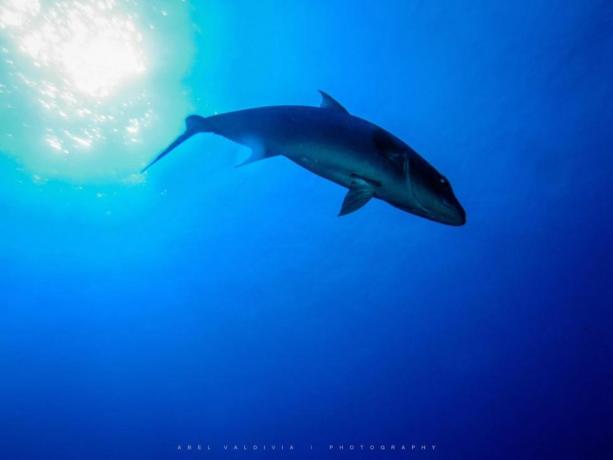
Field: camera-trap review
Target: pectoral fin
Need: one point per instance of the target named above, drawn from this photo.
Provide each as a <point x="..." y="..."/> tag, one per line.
<point x="358" y="195"/>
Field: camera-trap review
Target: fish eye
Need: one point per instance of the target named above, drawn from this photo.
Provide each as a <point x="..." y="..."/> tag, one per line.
<point x="442" y="180"/>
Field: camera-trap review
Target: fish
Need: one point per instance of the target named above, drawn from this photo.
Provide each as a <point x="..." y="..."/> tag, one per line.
<point x="336" y="145"/>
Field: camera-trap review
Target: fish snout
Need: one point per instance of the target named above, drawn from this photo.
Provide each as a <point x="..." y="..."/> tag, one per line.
<point x="454" y="213"/>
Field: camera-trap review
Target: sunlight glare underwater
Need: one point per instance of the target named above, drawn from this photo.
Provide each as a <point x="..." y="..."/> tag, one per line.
<point x="82" y="87"/>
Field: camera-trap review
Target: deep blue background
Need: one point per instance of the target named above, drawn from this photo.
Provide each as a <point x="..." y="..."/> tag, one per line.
<point x="213" y="304"/>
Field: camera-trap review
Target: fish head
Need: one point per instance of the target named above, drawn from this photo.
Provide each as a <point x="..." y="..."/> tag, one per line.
<point x="429" y="193"/>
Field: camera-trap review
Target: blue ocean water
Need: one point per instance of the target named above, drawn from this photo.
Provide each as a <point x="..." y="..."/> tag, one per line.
<point x="210" y="305"/>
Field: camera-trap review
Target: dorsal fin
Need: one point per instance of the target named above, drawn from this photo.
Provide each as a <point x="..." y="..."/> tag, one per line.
<point x="328" y="102"/>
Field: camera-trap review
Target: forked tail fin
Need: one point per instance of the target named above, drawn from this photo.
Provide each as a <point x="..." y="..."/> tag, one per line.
<point x="193" y="125"/>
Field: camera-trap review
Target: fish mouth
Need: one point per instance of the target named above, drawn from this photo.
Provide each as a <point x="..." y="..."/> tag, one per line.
<point x="453" y="214"/>
<point x="459" y="219"/>
<point x="447" y="213"/>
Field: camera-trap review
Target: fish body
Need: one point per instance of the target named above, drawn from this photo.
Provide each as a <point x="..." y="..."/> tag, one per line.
<point x="350" y="151"/>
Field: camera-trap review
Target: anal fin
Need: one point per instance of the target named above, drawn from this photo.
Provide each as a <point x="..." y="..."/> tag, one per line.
<point x="256" y="155"/>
